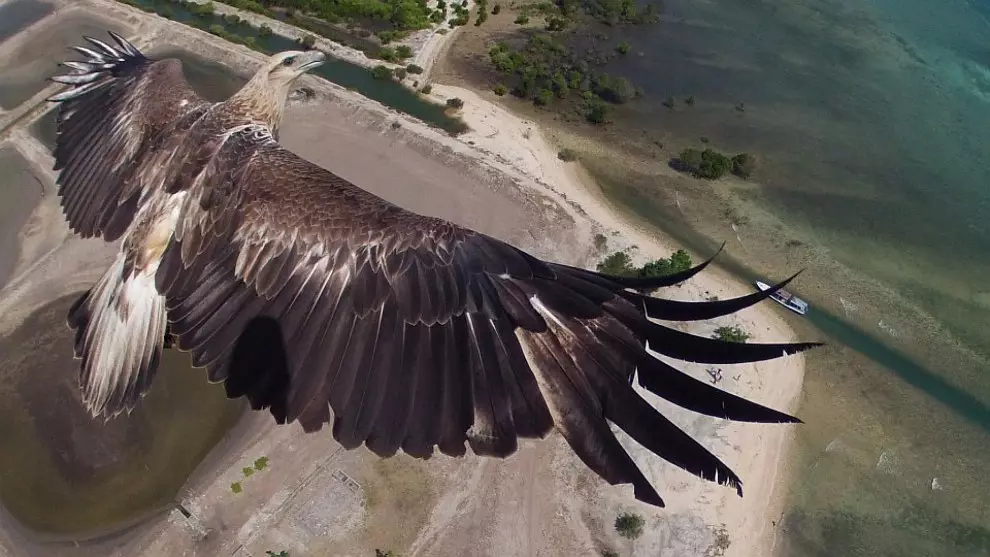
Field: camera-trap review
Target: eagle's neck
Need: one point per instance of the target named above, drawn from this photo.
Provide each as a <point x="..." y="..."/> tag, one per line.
<point x="260" y="100"/>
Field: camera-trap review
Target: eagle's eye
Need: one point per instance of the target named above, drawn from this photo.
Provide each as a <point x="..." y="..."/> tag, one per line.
<point x="288" y="61"/>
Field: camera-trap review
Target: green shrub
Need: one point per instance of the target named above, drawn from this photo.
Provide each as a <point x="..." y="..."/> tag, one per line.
<point x="618" y="264"/>
<point x="500" y="90"/>
<point x="261" y="463"/>
<point x="743" y="165"/>
<point x="455" y="103"/>
<point x="708" y="164"/>
<point x="623" y="47"/>
<point x="308" y="42"/>
<point x="522" y="19"/>
<point x="403" y="51"/>
<point x="236" y="487"/>
<point x="414" y="69"/>
<point x="731" y="334"/>
<point x="629" y="525"/>
<point x="381" y="72"/>
<point x="496" y="9"/>
<point x="427" y="89"/>
<point x="567" y="155"/>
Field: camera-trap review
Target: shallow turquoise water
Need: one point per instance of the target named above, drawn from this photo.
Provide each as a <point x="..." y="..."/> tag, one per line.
<point x="872" y="122"/>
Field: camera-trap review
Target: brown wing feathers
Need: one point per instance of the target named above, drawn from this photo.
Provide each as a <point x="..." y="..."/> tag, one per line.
<point x="108" y="121"/>
<point x="410" y="333"/>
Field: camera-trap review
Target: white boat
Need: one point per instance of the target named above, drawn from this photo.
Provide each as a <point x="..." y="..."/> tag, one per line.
<point x="785" y="298"/>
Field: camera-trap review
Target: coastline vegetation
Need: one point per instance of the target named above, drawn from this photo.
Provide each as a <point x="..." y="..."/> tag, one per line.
<point x="731" y="334"/>
<point x="712" y="165"/>
<point x="620" y="264"/>
<point x="549" y="69"/>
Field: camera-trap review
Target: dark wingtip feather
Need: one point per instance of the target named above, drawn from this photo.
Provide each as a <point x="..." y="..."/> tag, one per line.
<point x="674" y="310"/>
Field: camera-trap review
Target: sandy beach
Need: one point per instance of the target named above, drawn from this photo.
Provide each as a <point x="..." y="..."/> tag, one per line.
<point x="503" y="177"/>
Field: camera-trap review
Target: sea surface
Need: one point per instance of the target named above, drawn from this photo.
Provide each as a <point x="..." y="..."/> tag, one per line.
<point x="871" y="122"/>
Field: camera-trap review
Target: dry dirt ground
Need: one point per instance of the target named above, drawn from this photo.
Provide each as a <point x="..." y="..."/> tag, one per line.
<point x="311" y="498"/>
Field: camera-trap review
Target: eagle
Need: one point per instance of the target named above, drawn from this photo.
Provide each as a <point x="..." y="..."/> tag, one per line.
<point x="321" y="302"/>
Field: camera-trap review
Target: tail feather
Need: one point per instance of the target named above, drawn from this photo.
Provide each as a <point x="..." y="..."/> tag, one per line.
<point x="120" y="330"/>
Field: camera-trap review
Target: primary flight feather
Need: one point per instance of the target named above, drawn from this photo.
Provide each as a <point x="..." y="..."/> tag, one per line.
<point x="320" y="301"/>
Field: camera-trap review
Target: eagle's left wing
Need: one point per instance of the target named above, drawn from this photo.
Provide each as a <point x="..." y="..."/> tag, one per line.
<point x="109" y="127"/>
<point x="320" y="301"/>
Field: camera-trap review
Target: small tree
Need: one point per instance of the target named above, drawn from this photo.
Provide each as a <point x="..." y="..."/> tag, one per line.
<point x="629" y="525"/>
<point x="381" y="72"/>
<point x="236" y="487"/>
<point x="522" y="19"/>
<point x="308" y="42"/>
<point x="743" y="165"/>
<point x="500" y="90"/>
<point x="496" y="9"/>
<point x="567" y="155"/>
<point x="731" y="334"/>
<point x="623" y="47"/>
<point x="455" y="103"/>
<point x="689" y="101"/>
<point x="403" y="51"/>
<point x="414" y="69"/>
<point x="265" y="31"/>
<point x="617" y="264"/>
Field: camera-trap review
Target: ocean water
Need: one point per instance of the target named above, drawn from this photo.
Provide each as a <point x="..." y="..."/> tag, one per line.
<point x="871" y="121"/>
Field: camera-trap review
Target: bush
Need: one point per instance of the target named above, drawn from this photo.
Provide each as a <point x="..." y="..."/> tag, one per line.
<point x="500" y="90"/>
<point x="567" y="155"/>
<point x="455" y="103"/>
<point x="414" y="69"/>
<point x="236" y="487"/>
<point x="689" y="101"/>
<point x="427" y="89"/>
<point x="609" y="553"/>
<point x="629" y="525"/>
<point x="496" y="9"/>
<point x="623" y="48"/>
<point x="399" y="74"/>
<point x="265" y="31"/>
<point x="678" y="261"/>
<point x="707" y="164"/>
<point x="743" y="165"/>
<point x="617" y="264"/>
<point x="381" y="72"/>
<point x="261" y="463"/>
<point x="216" y="29"/>
<point x="248" y="471"/>
<point x="731" y="334"/>
<point x="388" y="54"/>
<point x="403" y="51"/>
<point x="522" y="19"/>
<point x="308" y="42"/>
<point x="596" y="112"/>
<point x="543" y="97"/>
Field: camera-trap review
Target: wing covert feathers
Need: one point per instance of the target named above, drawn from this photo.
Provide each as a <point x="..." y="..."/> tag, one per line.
<point x="406" y="332"/>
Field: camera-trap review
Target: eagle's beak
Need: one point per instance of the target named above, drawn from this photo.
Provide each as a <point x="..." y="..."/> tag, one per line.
<point x="312" y="59"/>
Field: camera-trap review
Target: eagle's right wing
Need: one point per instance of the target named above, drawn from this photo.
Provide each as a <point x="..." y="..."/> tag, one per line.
<point x="109" y="127"/>
<point x="323" y="302"/>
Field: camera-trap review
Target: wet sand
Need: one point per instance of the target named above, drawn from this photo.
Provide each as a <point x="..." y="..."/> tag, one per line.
<point x="17" y="14"/>
<point x="20" y="193"/>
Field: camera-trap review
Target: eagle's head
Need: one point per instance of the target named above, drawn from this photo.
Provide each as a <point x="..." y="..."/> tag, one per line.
<point x="283" y="68"/>
<point x="263" y="97"/>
